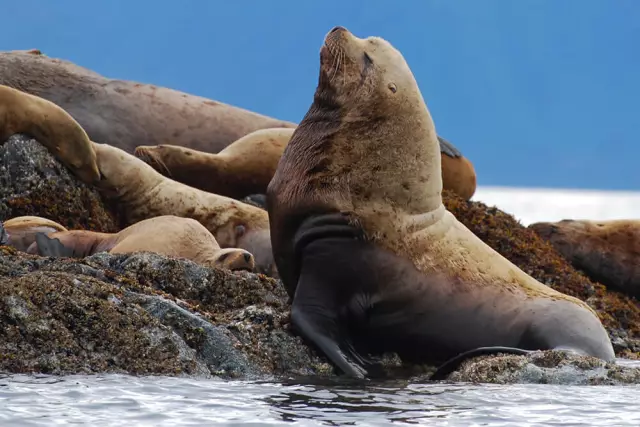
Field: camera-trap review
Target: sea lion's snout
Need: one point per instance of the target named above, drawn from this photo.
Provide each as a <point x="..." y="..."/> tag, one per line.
<point x="236" y="260"/>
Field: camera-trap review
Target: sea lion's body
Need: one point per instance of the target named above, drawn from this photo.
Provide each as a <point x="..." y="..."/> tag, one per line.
<point x="135" y="189"/>
<point x="243" y="168"/>
<point x="21" y="231"/>
<point x="364" y="246"/>
<point x="138" y="192"/>
<point x="21" y="112"/>
<point x="607" y="251"/>
<point x="166" y="235"/>
<point x="127" y="114"/>
<point x="247" y="165"/>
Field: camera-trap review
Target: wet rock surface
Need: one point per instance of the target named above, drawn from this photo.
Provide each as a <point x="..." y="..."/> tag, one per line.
<point x="145" y="313"/>
<point x="545" y="367"/>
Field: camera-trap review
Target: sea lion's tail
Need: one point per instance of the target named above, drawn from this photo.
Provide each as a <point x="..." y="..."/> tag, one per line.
<point x="454" y="363"/>
<point x="52" y="247"/>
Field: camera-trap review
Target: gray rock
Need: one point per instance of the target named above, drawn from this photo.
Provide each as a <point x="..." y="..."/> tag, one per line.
<point x="546" y="367"/>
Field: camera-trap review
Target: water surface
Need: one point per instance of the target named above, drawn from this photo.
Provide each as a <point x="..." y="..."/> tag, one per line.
<point x="117" y="400"/>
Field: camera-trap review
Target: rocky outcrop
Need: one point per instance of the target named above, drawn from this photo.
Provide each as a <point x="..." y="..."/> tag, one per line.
<point x="149" y="314"/>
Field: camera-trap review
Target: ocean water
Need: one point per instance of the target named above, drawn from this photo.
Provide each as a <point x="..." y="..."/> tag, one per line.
<point x="117" y="400"/>
<point x="121" y="400"/>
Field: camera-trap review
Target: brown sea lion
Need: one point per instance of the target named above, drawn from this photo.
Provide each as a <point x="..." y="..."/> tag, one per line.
<point x="607" y="251"/>
<point x="243" y="168"/>
<point x="246" y="166"/>
<point x="52" y="126"/>
<point x="166" y="235"/>
<point x="138" y="192"/>
<point x="126" y="114"/>
<point x="21" y="231"/>
<point x="371" y="257"/>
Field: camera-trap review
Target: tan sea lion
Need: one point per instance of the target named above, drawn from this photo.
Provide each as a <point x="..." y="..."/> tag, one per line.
<point x="21" y="231"/>
<point x="166" y="235"/>
<point x="246" y="166"/>
<point x="52" y="126"/>
<point x="126" y="114"/>
<point x="371" y="257"/>
<point x="243" y="168"/>
<point x="607" y="251"/>
<point x="138" y="192"/>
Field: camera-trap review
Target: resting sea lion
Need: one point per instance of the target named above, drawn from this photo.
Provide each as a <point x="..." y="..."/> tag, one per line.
<point x="243" y="168"/>
<point x="371" y="257"/>
<point x="606" y="251"/>
<point x="126" y="114"/>
<point x="166" y="235"/>
<point x="52" y="126"/>
<point x="21" y="231"/>
<point x="138" y="192"/>
<point x="246" y="166"/>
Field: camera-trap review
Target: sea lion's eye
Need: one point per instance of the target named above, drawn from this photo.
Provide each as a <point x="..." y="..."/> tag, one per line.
<point x="240" y="230"/>
<point x="367" y="60"/>
<point x="392" y="87"/>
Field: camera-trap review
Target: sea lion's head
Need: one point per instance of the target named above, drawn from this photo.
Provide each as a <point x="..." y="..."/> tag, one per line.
<point x="235" y="259"/>
<point x="368" y="137"/>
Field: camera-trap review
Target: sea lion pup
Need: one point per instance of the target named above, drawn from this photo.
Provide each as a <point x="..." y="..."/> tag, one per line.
<point x="371" y="257"/>
<point x="607" y="251"/>
<point x="246" y="166"/>
<point x="51" y="126"/>
<point x="166" y="235"/>
<point x="21" y="231"/>
<point x="126" y="114"/>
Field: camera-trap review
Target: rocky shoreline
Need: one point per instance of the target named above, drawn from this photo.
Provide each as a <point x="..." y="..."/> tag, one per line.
<point x="147" y="314"/>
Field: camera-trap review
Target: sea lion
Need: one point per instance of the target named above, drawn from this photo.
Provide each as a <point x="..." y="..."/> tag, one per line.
<point x="126" y="114"/>
<point x="166" y="235"/>
<point x="606" y="251"/>
<point x="43" y="120"/>
<point x="138" y="192"/>
<point x="365" y="247"/>
<point x="246" y="166"/>
<point x="21" y="231"/>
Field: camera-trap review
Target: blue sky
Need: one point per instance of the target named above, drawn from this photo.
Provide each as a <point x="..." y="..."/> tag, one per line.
<point x="542" y="93"/>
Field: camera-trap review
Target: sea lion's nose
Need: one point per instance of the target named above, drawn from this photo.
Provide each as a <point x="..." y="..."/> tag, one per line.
<point x="337" y="28"/>
<point x="247" y="256"/>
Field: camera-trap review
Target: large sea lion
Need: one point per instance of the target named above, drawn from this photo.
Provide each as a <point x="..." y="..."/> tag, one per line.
<point x="21" y="231"/>
<point x="246" y="166"/>
<point x="166" y="235"/>
<point x="607" y="251"/>
<point x="371" y="257"/>
<point x="126" y="114"/>
<point x="52" y="126"/>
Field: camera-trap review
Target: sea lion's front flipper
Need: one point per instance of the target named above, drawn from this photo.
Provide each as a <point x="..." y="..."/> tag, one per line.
<point x="52" y="247"/>
<point x="325" y="247"/>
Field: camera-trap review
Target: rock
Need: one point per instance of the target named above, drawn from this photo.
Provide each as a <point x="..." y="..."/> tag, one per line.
<point x="545" y="367"/>
<point x="32" y="182"/>
<point x="145" y="313"/>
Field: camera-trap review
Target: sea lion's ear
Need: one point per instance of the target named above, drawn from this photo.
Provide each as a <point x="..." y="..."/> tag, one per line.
<point x="392" y="87"/>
